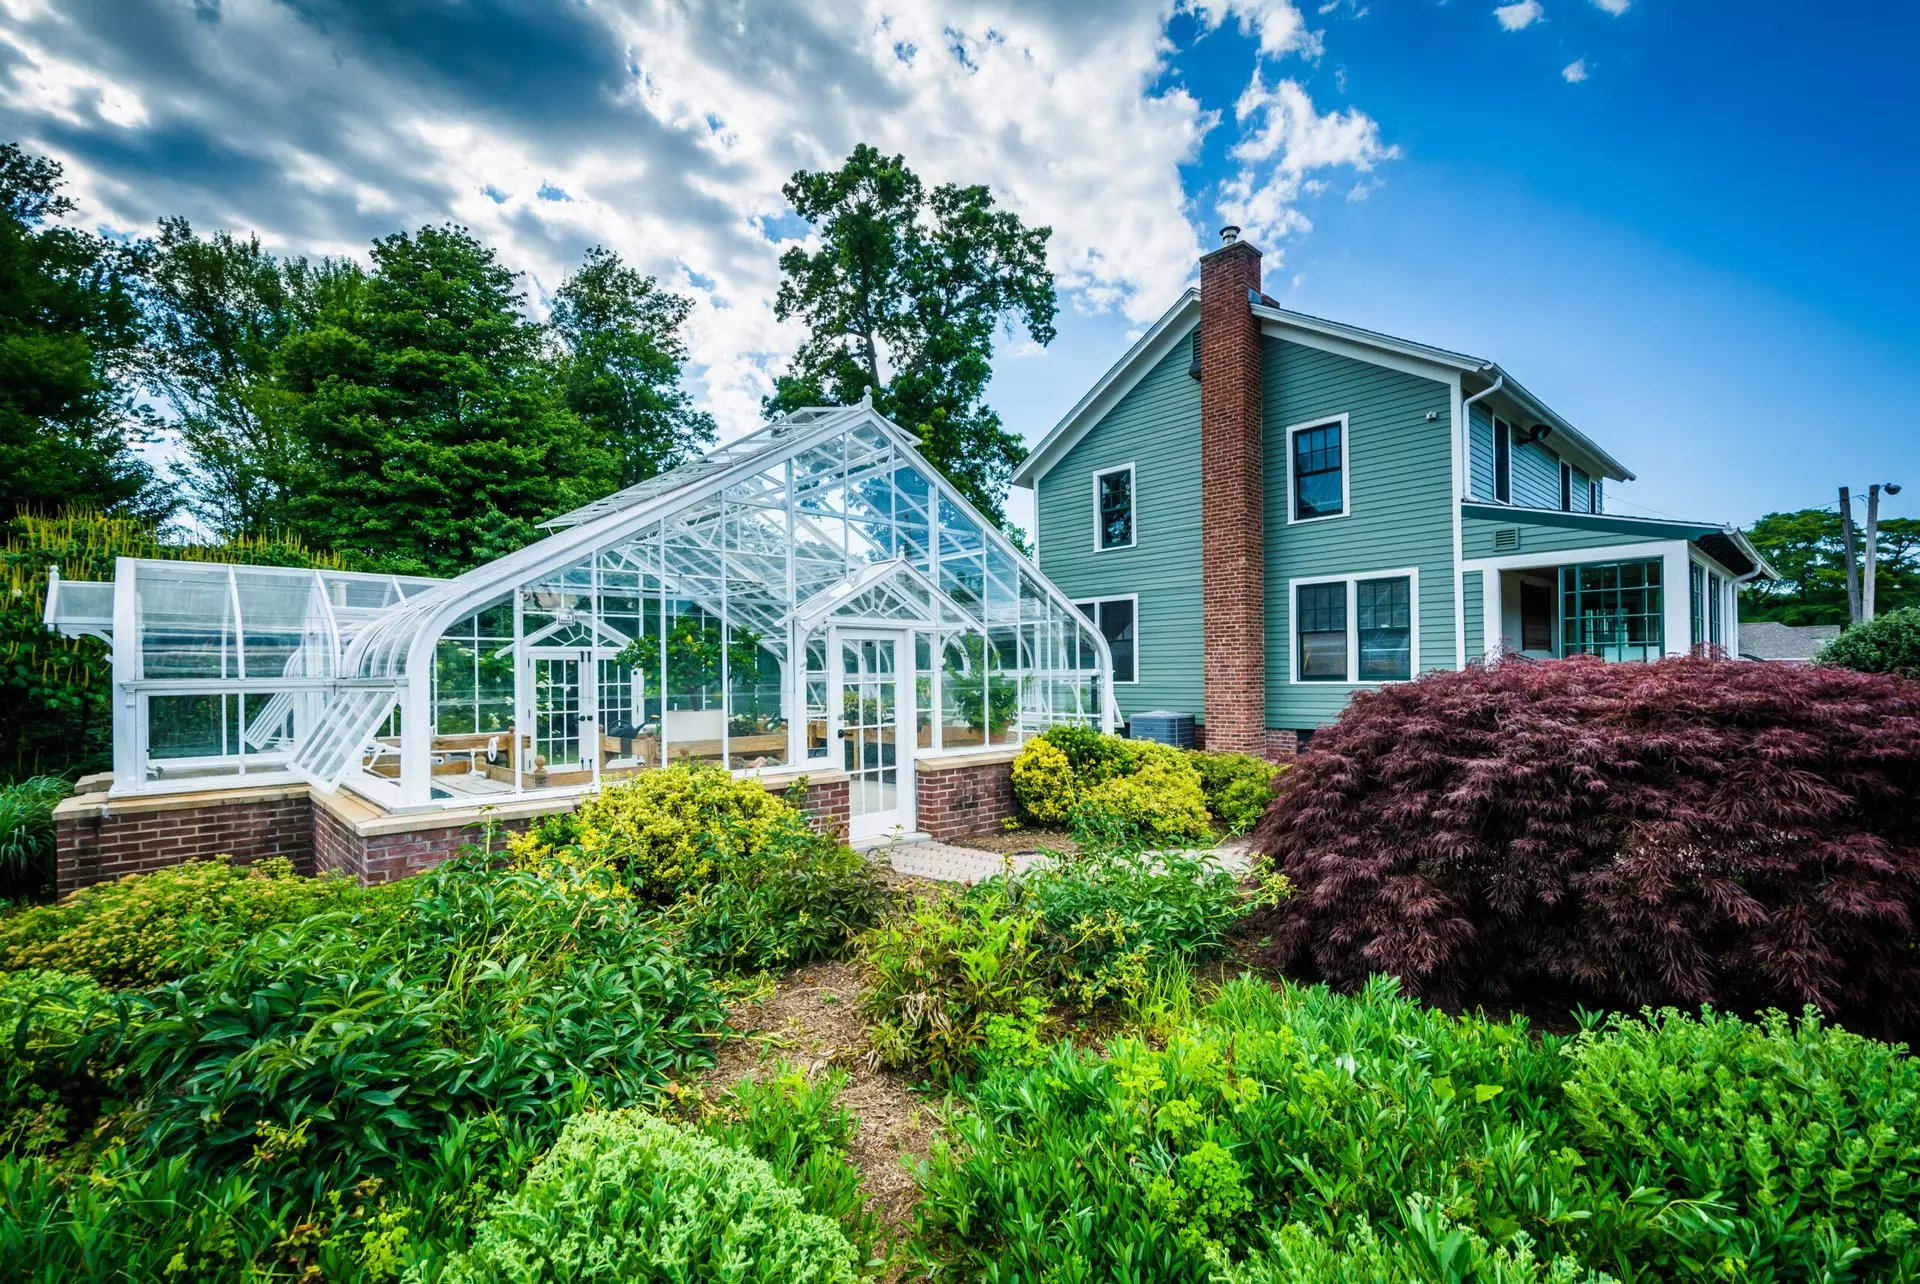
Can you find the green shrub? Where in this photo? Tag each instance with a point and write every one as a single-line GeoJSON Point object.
{"type": "Point", "coordinates": [633, 1198]}
{"type": "Point", "coordinates": [1093, 755]}
{"type": "Point", "coordinates": [799, 898]}
{"type": "Point", "coordinates": [1044, 783]}
{"type": "Point", "coordinates": [949, 970]}
{"type": "Point", "coordinates": [1293, 1134]}
{"type": "Point", "coordinates": [671, 828]}
{"type": "Point", "coordinates": [48, 1086]}
{"type": "Point", "coordinates": [26, 835]}
{"type": "Point", "coordinates": [797, 1124]}
{"type": "Point", "coordinates": [1237, 787]}
{"type": "Point", "coordinates": [1805, 1139]}
{"type": "Point", "coordinates": [145, 928]}
{"type": "Point", "coordinates": [1159, 801]}
{"type": "Point", "coordinates": [1888, 643]}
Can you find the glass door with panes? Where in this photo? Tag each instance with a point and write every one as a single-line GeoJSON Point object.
{"type": "Point", "coordinates": [875, 748]}
{"type": "Point", "coordinates": [562, 718]}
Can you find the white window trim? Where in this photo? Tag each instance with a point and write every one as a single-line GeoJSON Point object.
{"type": "Point", "coordinates": [1409, 573]}
{"type": "Point", "coordinates": [1119, 597]}
{"type": "Point", "coordinates": [1133, 499]}
{"type": "Point", "coordinates": [1346, 469]}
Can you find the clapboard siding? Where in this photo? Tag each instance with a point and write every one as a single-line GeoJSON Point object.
{"type": "Point", "coordinates": [1156, 426]}
{"type": "Point", "coordinates": [1477, 532]}
{"type": "Point", "coordinates": [1480, 452]}
{"type": "Point", "coordinates": [1402, 505]}
{"type": "Point", "coordinates": [1472, 598]}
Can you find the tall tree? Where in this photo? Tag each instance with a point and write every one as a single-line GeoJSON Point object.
{"type": "Point", "coordinates": [622, 353]}
{"type": "Point", "coordinates": [433, 431]}
{"type": "Point", "coordinates": [69, 330]}
{"type": "Point", "coordinates": [219, 310]}
{"type": "Point", "coordinates": [1807, 548]}
{"type": "Point", "coordinates": [904, 296]}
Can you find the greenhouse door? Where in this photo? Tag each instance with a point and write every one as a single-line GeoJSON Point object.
{"type": "Point", "coordinates": [563, 721]}
{"type": "Point", "coordinates": [878, 758]}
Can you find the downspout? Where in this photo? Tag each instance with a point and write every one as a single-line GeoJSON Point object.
{"type": "Point", "coordinates": [1459, 590]}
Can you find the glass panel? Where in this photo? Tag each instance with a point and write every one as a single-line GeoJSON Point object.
{"type": "Point", "coordinates": [191, 726]}
{"type": "Point", "coordinates": [695, 721]}
{"type": "Point", "coordinates": [1323, 632]}
{"type": "Point", "coordinates": [1697, 591]}
{"type": "Point", "coordinates": [1116, 508]}
{"type": "Point", "coordinates": [756, 724]}
{"type": "Point", "coordinates": [556, 723]}
{"type": "Point", "coordinates": [1317, 488]}
{"type": "Point", "coordinates": [1613, 610]}
{"type": "Point", "coordinates": [185, 619]}
{"type": "Point", "coordinates": [816, 696]}
{"type": "Point", "coordinates": [1003, 685]}
{"type": "Point", "coordinates": [1114, 618]}
{"type": "Point", "coordinates": [869, 724]}
{"type": "Point", "coordinates": [923, 690]}
{"type": "Point", "coordinates": [1384, 610]}
{"type": "Point", "coordinates": [963, 691]}
{"type": "Point", "coordinates": [283, 624]}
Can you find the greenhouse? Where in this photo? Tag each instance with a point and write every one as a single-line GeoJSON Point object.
{"type": "Point", "coordinates": [812, 596]}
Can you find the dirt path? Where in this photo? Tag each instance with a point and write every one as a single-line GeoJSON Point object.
{"type": "Point", "coordinates": [812, 1019]}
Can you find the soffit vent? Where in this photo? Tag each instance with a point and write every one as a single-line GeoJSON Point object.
{"type": "Point", "coordinates": [1506, 539]}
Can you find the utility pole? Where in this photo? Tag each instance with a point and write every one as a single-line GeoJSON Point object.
{"type": "Point", "coordinates": [1873, 551]}
{"type": "Point", "coordinates": [1846, 536]}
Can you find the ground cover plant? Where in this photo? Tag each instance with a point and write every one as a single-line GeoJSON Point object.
{"type": "Point", "coordinates": [26, 835]}
{"type": "Point", "coordinates": [1573, 832]}
{"type": "Point", "coordinates": [1154, 793]}
{"type": "Point", "coordinates": [1293, 1133]}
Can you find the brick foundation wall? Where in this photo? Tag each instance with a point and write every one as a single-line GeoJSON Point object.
{"type": "Point", "coordinates": [103, 842]}
{"type": "Point", "coordinates": [829, 806]}
{"type": "Point", "coordinates": [1233, 548]}
{"type": "Point", "coordinates": [1282, 744]}
{"type": "Point", "coordinates": [964, 798]}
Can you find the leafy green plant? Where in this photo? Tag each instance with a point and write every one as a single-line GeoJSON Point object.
{"type": "Point", "coordinates": [627, 1196]}
{"type": "Point", "coordinates": [26, 835]}
{"type": "Point", "coordinates": [1429, 1247]}
{"type": "Point", "coordinates": [1044, 783]}
{"type": "Point", "coordinates": [1237, 787]}
{"type": "Point", "coordinates": [49, 1088]}
{"type": "Point", "coordinates": [1888, 643]}
{"type": "Point", "coordinates": [145, 928]}
{"type": "Point", "coordinates": [798, 898]}
{"type": "Point", "coordinates": [1160, 801]}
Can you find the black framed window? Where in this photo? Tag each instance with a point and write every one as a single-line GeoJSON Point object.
{"type": "Point", "coordinates": [1322, 619]}
{"type": "Point", "coordinates": [1383, 614]}
{"type": "Point", "coordinates": [1319, 487]}
{"type": "Point", "coordinates": [1114, 492]}
{"type": "Point", "coordinates": [1114, 617]}
{"type": "Point", "coordinates": [1593, 496]}
{"type": "Point", "coordinates": [1502, 461]}
{"type": "Point", "coordinates": [1566, 488]}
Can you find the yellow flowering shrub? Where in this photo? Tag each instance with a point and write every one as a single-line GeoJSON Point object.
{"type": "Point", "coordinates": [1160, 800]}
{"type": "Point", "coordinates": [666, 829]}
{"type": "Point", "coordinates": [1044, 782]}
{"type": "Point", "coordinates": [147, 928]}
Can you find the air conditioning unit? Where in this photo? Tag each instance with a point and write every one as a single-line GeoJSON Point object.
{"type": "Point", "coordinates": [1165, 728]}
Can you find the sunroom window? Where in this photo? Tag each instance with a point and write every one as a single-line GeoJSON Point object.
{"type": "Point", "coordinates": [1614, 610]}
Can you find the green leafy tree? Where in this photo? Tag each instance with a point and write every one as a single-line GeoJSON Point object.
{"type": "Point", "coordinates": [69, 328]}
{"type": "Point", "coordinates": [621, 361]}
{"type": "Point", "coordinates": [220, 308]}
{"type": "Point", "coordinates": [1888, 643]}
{"type": "Point", "coordinates": [904, 296]}
{"type": "Point", "coordinates": [434, 432]}
{"type": "Point", "coordinates": [1808, 549]}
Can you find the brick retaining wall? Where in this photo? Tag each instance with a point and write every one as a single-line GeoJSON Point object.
{"type": "Point", "coordinates": [968, 796]}
{"type": "Point", "coordinates": [97, 840]}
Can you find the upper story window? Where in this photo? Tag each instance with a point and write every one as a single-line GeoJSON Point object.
{"type": "Point", "coordinates": [1317, 470]}
{"type": "Point", "coordinates": [1502, 461]}
{"type": "Point", "coordinates": [1593, 495]}
{"type": "Point", "coordinates": [1566, 487]}
{"type": "Point", "coordinates": [1113, 508]}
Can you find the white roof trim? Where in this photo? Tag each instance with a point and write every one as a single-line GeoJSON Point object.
{"type": "Point", "coordinates": [1147, 351]}
{"type": "Point", "coordinates": [1369, 339]}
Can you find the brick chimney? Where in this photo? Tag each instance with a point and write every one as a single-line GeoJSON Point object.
{"type": "Point", "coordinates": [1233, 537]}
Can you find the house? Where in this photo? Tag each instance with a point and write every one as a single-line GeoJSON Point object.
{"type": "Point", "coordinates": [1264, 512]}
{"type": "Point", "coordinates": [1787, 643]}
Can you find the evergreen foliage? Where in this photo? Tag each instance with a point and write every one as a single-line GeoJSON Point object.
{"type": "Point", "coordinates": [1808, 549]}
{"type": "Point", "coordinates": [1888, 643]}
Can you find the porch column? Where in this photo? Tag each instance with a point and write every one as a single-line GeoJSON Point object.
{"type": "Point", "coordinates": [1674, 597]}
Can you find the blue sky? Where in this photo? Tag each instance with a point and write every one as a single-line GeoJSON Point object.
{"type": "Point", "coordinates": [1685, 225]}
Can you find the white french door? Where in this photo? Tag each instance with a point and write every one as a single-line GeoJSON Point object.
{"type": "Point", "coordinates": [876, 745]}
{"type": "Point", "coordinates": [562, 713]}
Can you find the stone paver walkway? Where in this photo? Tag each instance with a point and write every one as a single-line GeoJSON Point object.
{"type": "Point", "coordinates": [943, 862]}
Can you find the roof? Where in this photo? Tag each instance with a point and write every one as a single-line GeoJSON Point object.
{"type": "Point", "coordinates": [1727, 545]}
{"type": "Point", "coordinates": [1771, 640]}
{"type": "Point", "coordinates": [1175, 323]}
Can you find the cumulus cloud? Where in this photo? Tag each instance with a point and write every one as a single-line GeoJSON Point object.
{"type": "Point", "coordinates": [661, 130]}
{"type": "Point", "coordinates": [1520, 15]}
{"type": "Point", "coordinates": [1574, 72]}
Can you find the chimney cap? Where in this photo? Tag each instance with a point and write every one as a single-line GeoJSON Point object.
{"type": "Point", "coordinates": [1229, 234]}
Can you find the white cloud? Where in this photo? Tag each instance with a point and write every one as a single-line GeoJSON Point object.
{"type": "Point", "coordinates": [1574, 72]}
{"type": "Point", "coordinates": [1520, 15]}
{"type": "Point", "coordinates": [1614, 7]}
{"type": "Point", "coordinates": [671, 129]}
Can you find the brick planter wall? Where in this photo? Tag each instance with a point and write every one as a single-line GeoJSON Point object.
{"type": "Point", "coordinates": [971, 795]}
{"type": "Point", "coordinates": [96, 841]}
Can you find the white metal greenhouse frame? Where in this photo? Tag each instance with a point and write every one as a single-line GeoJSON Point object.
{"type": "Point", "coordinates": [815, 583]}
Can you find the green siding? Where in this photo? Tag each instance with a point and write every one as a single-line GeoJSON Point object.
{"type": "Point", "coordinates": [1536, 477]}
{"type": "Point", "coordinates": [1480, 452]}
{"type": "Point", "coordinates": [1476, 534]}
{"type": "Point", "coordinates": [1401, 491]}
{"type": "Point", "coordinates": [1472, 599]}
{"type": "Point", "coordinates": [1156, 426]}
